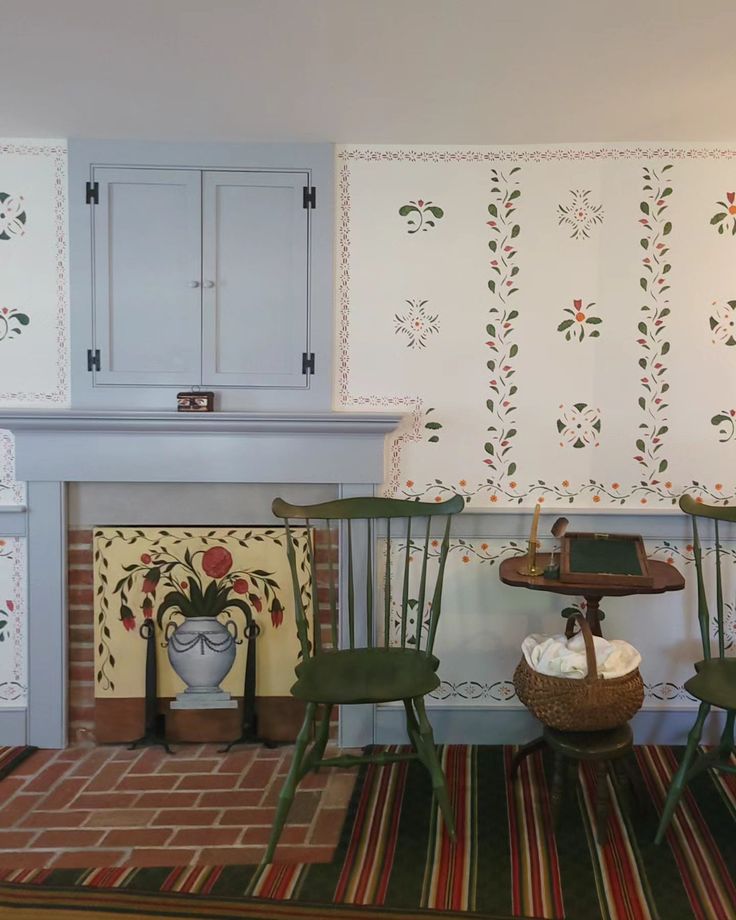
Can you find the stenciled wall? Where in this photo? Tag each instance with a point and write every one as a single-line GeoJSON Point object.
{"type": "Point", "coordinates": [560, 323]}
{"type": "Point", "coordinates": [34, 364]}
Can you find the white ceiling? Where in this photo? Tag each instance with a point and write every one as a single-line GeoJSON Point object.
{"type": "Point", "coordinates": [369, 71]}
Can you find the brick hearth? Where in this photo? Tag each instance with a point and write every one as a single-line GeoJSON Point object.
{"type": "Point", "coordinates": [107, 806]}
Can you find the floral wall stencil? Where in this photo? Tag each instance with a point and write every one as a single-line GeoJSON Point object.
{"type": "Point", "coordinates": [725, 421]}
{"type": "Point", "coordinates": [723, 323]}
{"type": "Point", "coordinates": [581, 316]}
{"type": "Point", "coordinates": [13, 689]}
{"type": "Point", "coordinates": [421, 215]}
{"type": "Point", "coordinates": [653, 327]}
{"type": "Point", "coordinates": [12, 216]}
{"type": "Point", "coordinates": [579, 426]}
{"type": "Point", "coordinates": [503, 285]}
{"type": "Point", "coordinates": [33, 274]}
{"type": "Point", "coordinates": [417, 324]}
{"type": "Point", "coordinates": [12, 322]}
{"type": "Point", "coordinates": [579, 215]}
{"type": "Point", "coordinates": [725, 218]}
{"type": "Point", "coordinates": [511, 365]}
{"type": "Point", "coordinates": [432, 426]}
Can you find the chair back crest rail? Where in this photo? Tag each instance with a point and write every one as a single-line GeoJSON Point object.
{"type": "Point", "coordinates": [419, 528]}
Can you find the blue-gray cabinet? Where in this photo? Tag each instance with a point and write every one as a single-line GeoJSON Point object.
{"type": "Point", "coordinates": [255, 278]}
{"type": "Point", "coordinates": [201, 266]}
{"type": "Point", "coordinates": [200, 277]}
{"type": "Point", "coordinates": [147, 277]}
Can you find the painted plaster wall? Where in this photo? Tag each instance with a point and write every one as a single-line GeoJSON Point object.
{"type": "Point", "coordinates": [414, 229]}
{"type": "Point", "coordinates": [34, 365]}
{"type": "Point", "coordinates": [559, 326]}
{"type": "Point", "coordinates": [567, 315]}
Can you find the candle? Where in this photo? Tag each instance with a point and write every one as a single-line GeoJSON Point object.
{"type": "Point", "coordinates": [533, 532]}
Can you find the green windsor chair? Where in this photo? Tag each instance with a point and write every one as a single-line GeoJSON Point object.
{"type": "Point", "coordinates": [714, 683]}
{"type": "Point", "coordinates": [369, 667]}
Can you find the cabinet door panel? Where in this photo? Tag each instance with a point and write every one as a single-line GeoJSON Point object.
{"type": "Point", "coordinates": [147, 303]}
{"type": "Point", "coordinates": [255, 297]}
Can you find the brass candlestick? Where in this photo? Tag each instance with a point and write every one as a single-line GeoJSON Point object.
{"type": "Point", "coordinates": [530, 567]}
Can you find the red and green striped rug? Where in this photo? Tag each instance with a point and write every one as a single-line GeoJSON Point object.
{"type": "Point", "coordinates": [508, 861]}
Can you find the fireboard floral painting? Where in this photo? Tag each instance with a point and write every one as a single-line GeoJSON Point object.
{"type": "Point", "coordinates": [167, 576]}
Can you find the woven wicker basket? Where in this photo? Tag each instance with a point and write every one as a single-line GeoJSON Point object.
{"type": "Point", "coordinates": [589, 704]}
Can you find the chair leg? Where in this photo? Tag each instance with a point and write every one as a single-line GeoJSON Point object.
{"type": "Point", "coordinates": [314, 755]}
{"type": "Point", "coordinates": [726, 744]}
{"type": "Point", "coordinates": [286, 796]}
{"type": "Point", "coordinates": [412, 726]}
{"type": "Point", "coordinates": [428, 755]}
{"type": "Point", "coordinates": [678, 783]}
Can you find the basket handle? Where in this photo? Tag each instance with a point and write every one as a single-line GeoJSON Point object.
{"type": "Point", "coordinates": [589, 646]}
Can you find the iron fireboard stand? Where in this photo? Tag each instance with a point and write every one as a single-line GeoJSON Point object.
{"type": "Point", "coordinates": [249, 729]}
{"type": "Point", "coordinates": [153, 733]}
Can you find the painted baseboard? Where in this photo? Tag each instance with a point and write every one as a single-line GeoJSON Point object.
{"type": "Point", "coordinates": [486, 725]}
{"type": "Point", "coordinates": [13, 727]}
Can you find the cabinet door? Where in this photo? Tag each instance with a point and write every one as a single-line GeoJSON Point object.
{"type": "Point", "coordinates": [255, 297]}
{"type": "Point", "coordinates": [147, 276]}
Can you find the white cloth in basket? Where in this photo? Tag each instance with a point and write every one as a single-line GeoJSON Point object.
{"type": "Point", "coordinates": [561, 657]}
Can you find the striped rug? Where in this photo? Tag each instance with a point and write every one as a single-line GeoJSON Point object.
{"type": "Point", "coordinates": [11, 757]}
{"type": "Point", "coordinates": [508, 860]}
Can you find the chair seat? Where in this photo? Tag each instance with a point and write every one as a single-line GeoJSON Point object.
{"type": "Point", "coordinates": [366, 675]}
{"type": "Point", "coordinates": [715, 682]}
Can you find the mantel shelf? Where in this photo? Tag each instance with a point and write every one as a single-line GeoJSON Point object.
{"type": "Point", "coordinates": [162, 422]}
{"type": "Point", "coordinates": [71, 445]}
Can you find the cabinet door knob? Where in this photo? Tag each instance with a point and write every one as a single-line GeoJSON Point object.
{"type": "Point", "coordinates": [194, 284]}
{"type": "Point", "coordinates": [209, 284]}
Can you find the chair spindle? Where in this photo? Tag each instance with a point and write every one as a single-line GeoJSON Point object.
{"type": "Point", "coordinates": [369, 586]}
{"type": "Point", "coordinates": [405, 589]}
{"type": "Point", "coordinates": [437, 596]}
{"type": "Point", "coordinates": [719, 596]}
{"type": "Point", "coordinates": [331, 569]}
{"type": "Point", "coordinates": [387, 589]}
{"type": "Point", "coordinates": [422, 587]}
{"type": "Point", "coordinates": [316, 626]}
{"type": "Point", "coordinates": [351, 587]}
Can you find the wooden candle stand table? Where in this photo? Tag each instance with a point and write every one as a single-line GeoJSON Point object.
{"type": "Point", "coordinates": [665, 577]}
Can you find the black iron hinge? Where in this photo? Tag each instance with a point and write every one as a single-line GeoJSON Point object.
{"type": "Point", "coordinates": [93, 359]}
{"type": "Point", "coordinates": [92, 193]}
{"type": "Point", "coordinates": [310, 196]}
{"type": "Point", "coordinates": [308, 362]}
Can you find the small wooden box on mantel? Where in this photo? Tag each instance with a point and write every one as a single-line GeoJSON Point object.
{"type": "Point", "coordinates": [195, 401]}
{"type": "Point", "coordinates": [604, 559]}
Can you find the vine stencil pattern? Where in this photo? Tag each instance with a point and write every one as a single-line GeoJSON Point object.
{"type": "Point", "coordinates": [502, 405]}
{"type": "Point", "coordinates": [652, 327]}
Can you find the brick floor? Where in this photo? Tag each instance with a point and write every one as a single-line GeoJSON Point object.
{"type": "Point", "coordinates": [107, 806]}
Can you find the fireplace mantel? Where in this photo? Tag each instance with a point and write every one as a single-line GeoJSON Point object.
{"type": "Point", "coordinates": [90, 446]}
{"type": "Point", "coordinates": [56, 447]}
